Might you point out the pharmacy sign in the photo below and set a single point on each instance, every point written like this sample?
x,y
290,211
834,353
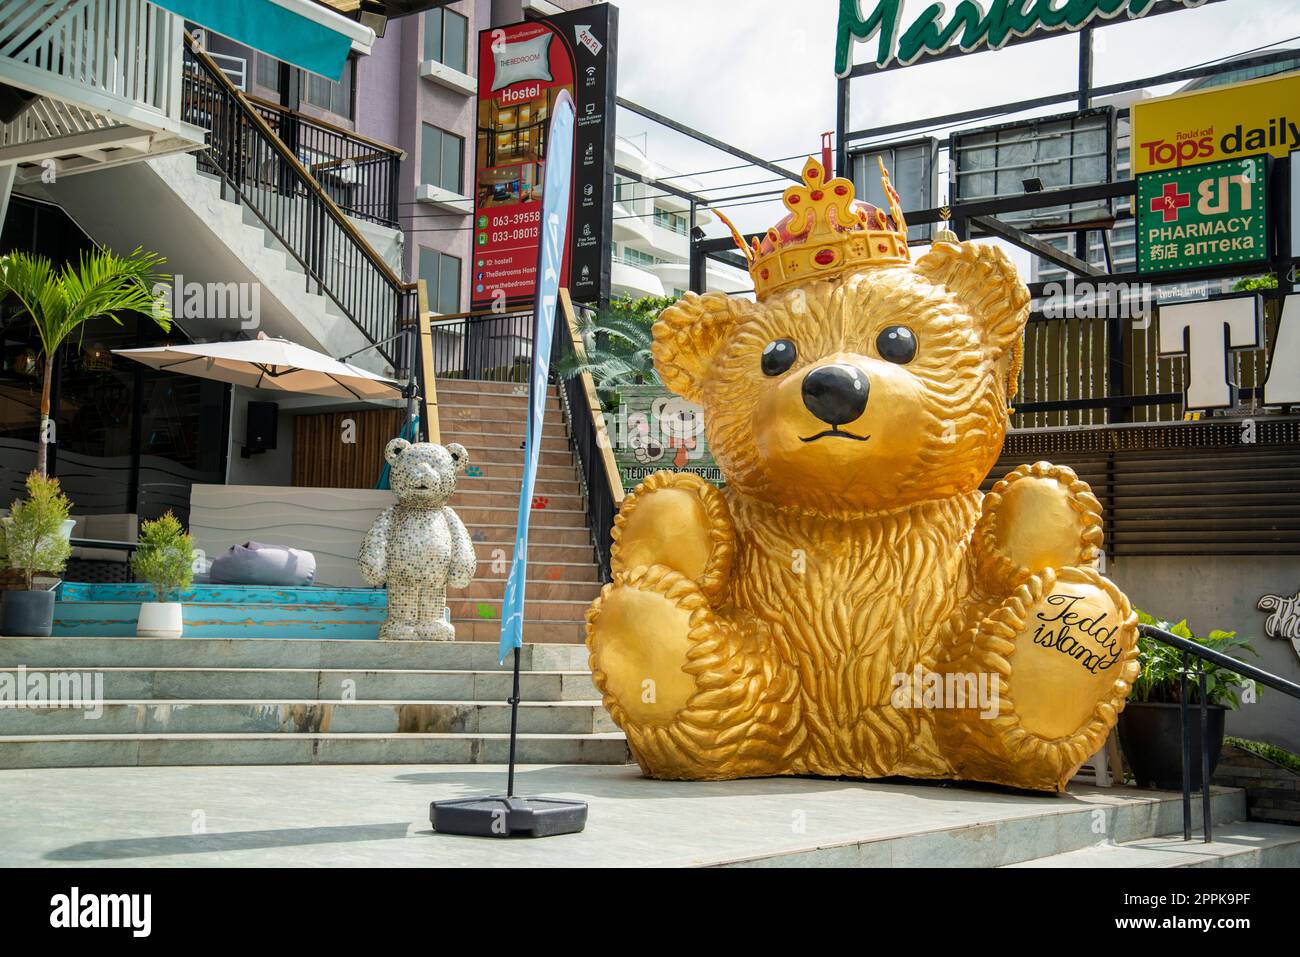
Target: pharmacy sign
x,y
1192,217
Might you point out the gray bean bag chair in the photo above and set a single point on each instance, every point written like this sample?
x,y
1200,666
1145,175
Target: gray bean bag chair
x,y
254,563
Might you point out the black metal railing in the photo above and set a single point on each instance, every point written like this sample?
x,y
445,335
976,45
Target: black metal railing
x,y
270,179
1202,654
585,434
490,346
358,173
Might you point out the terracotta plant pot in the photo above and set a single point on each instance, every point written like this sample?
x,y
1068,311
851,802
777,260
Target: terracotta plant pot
x,y
160,619
27,614
1151,736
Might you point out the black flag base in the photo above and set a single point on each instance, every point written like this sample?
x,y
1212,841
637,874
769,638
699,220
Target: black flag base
x,y
504,815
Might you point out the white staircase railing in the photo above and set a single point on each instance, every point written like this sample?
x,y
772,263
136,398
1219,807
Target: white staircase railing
x,y
99,54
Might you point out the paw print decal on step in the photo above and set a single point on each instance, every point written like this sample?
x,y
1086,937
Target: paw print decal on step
x,y
474,471
554,573
478,535
485,611
540,501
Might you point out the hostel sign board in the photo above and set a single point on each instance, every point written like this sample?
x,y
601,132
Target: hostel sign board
x,y
1207,215
522,69
1220,123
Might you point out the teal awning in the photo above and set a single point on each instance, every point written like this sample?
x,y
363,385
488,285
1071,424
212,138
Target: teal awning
x,y
299,32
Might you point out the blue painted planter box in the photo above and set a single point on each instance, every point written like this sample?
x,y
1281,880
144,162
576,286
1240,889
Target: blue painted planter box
x,y
225,611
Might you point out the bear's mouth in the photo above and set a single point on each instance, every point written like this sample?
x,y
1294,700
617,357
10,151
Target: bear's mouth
x,y
835,431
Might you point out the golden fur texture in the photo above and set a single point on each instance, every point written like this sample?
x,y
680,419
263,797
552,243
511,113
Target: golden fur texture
x,y
763,629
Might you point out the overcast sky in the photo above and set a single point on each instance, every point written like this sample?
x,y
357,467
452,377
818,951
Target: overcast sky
x,y
760,73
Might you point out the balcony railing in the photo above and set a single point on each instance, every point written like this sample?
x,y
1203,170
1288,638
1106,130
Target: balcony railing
x,y
124,53
360,174
295,208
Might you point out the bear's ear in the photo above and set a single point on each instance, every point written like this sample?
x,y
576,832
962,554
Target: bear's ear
x,y
687,336
459,457
394,449
985,282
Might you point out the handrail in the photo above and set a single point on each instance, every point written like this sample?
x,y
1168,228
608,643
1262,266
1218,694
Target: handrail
x,y
602,485
612,475
258,101
1203,654
293,206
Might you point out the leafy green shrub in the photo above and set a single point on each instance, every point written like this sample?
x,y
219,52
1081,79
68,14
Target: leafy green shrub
x,y
1272,752
164,556
34,539
1162,666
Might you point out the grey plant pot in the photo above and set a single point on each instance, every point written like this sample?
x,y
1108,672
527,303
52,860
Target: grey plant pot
x,y
27,614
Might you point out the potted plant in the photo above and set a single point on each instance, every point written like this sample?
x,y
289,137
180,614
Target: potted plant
x,y
164,557
101,285
1150,727
35,544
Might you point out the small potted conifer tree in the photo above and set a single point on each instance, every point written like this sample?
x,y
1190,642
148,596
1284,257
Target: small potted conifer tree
x,y
35,543
164,557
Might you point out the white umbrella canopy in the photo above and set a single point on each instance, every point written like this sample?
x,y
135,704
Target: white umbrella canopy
x,y
277,365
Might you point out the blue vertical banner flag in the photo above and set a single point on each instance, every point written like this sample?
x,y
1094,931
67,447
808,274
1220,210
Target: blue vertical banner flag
x,y
553,233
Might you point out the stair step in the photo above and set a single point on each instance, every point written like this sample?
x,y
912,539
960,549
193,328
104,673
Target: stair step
x,y
1235,844
495,455
159,685
494,589
466,499
504,534
544,515
538,632
132,750
260,716
461,655
488,387
539,553
535,610
513,471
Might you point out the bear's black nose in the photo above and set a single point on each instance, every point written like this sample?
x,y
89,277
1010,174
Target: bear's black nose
x,y
836,394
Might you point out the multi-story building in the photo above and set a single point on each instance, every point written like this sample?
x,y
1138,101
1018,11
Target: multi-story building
x,y
652,231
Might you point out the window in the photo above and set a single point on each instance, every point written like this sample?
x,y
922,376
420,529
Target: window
x,y
440,158
445,33
268,72
441,275
326,94
911,171
670,220
635,257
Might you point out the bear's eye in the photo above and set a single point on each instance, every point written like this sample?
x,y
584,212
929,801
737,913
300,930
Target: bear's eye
x,y
778,357
896,344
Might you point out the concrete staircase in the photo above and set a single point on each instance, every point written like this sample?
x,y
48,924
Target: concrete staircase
x,y
208,701
225,698
489,419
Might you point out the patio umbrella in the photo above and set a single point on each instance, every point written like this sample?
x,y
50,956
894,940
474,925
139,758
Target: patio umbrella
x,y
277,365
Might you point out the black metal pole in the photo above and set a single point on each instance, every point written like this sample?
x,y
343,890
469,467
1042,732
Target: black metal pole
x,y
514,724
1207,824
1187,747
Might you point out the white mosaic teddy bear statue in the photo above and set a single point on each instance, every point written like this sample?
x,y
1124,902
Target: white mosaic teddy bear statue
x,y
419,546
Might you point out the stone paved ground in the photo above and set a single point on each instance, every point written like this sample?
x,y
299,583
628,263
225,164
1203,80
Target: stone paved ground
x,y
355,815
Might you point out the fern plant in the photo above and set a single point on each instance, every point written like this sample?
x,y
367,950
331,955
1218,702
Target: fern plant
x,y
34,539
1162,667
164,556
616,342
101,285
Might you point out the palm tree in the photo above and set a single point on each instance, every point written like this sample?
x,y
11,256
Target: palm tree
x,y
101,285
617,343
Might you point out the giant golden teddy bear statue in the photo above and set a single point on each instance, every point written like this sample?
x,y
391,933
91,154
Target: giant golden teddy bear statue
x,y
849,604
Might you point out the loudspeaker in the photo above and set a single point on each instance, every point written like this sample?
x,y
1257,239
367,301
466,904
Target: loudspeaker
x,y
260,427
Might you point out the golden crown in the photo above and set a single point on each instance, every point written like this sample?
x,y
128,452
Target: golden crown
x,y
826,233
